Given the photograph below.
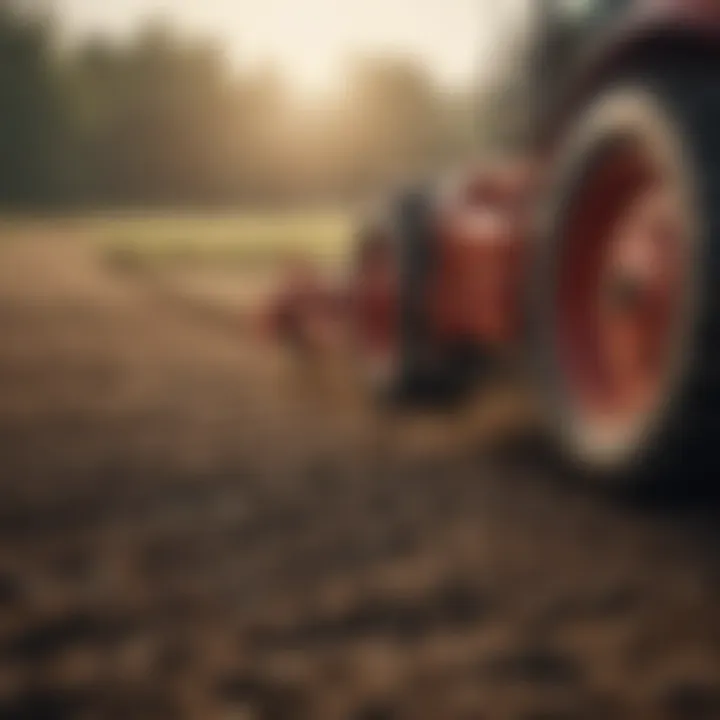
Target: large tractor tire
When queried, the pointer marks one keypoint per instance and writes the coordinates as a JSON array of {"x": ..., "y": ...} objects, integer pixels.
[
  {"x": 396, "y": 357},
  {"x": 625, "y": 305}
]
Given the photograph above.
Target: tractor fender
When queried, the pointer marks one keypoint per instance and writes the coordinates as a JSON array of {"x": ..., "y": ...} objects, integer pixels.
[{"x": 657, "y": 30}]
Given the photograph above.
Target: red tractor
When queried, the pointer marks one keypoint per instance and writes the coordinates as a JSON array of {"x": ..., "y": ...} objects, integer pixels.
[{"x": 595, "y": 259}]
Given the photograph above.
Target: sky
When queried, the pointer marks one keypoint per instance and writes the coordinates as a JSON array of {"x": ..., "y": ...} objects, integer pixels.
[{"x": 310, "y": 39}]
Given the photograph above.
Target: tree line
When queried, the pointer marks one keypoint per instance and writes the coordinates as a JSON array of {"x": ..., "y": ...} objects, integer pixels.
[{"x": 164, "y": 120}]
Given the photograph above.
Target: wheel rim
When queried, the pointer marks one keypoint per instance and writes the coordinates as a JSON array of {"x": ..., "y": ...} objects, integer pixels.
[
  {"x": 619, "y": 288},
  {"x": 377, "y": 292}
]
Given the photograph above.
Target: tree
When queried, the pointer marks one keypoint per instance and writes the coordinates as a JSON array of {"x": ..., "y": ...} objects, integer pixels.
[
  {"x": 31, "y": 118},
  {"x": 157, "y": 120}
]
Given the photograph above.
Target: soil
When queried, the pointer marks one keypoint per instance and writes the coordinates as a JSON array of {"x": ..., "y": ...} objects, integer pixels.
[{"x": 192, "y": 528}]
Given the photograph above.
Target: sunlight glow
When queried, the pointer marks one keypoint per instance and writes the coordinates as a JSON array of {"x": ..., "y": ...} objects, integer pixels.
[{"x": 310, "y": 40}]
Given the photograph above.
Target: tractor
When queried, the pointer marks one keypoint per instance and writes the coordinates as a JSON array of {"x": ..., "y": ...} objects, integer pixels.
[{"x": 594, "y": 257}]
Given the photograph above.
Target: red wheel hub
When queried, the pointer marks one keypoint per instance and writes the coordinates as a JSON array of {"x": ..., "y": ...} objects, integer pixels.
[{"x": 619, "y": 287}]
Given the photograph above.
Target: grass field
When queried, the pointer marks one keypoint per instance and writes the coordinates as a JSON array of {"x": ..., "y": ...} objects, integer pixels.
[{"x": 242, "y": 241}]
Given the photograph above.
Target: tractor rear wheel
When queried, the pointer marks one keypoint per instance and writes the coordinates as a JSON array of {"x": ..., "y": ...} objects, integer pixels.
[
  {"x": 625, "y": 305},
  {"x": 395, "y": 354}
]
